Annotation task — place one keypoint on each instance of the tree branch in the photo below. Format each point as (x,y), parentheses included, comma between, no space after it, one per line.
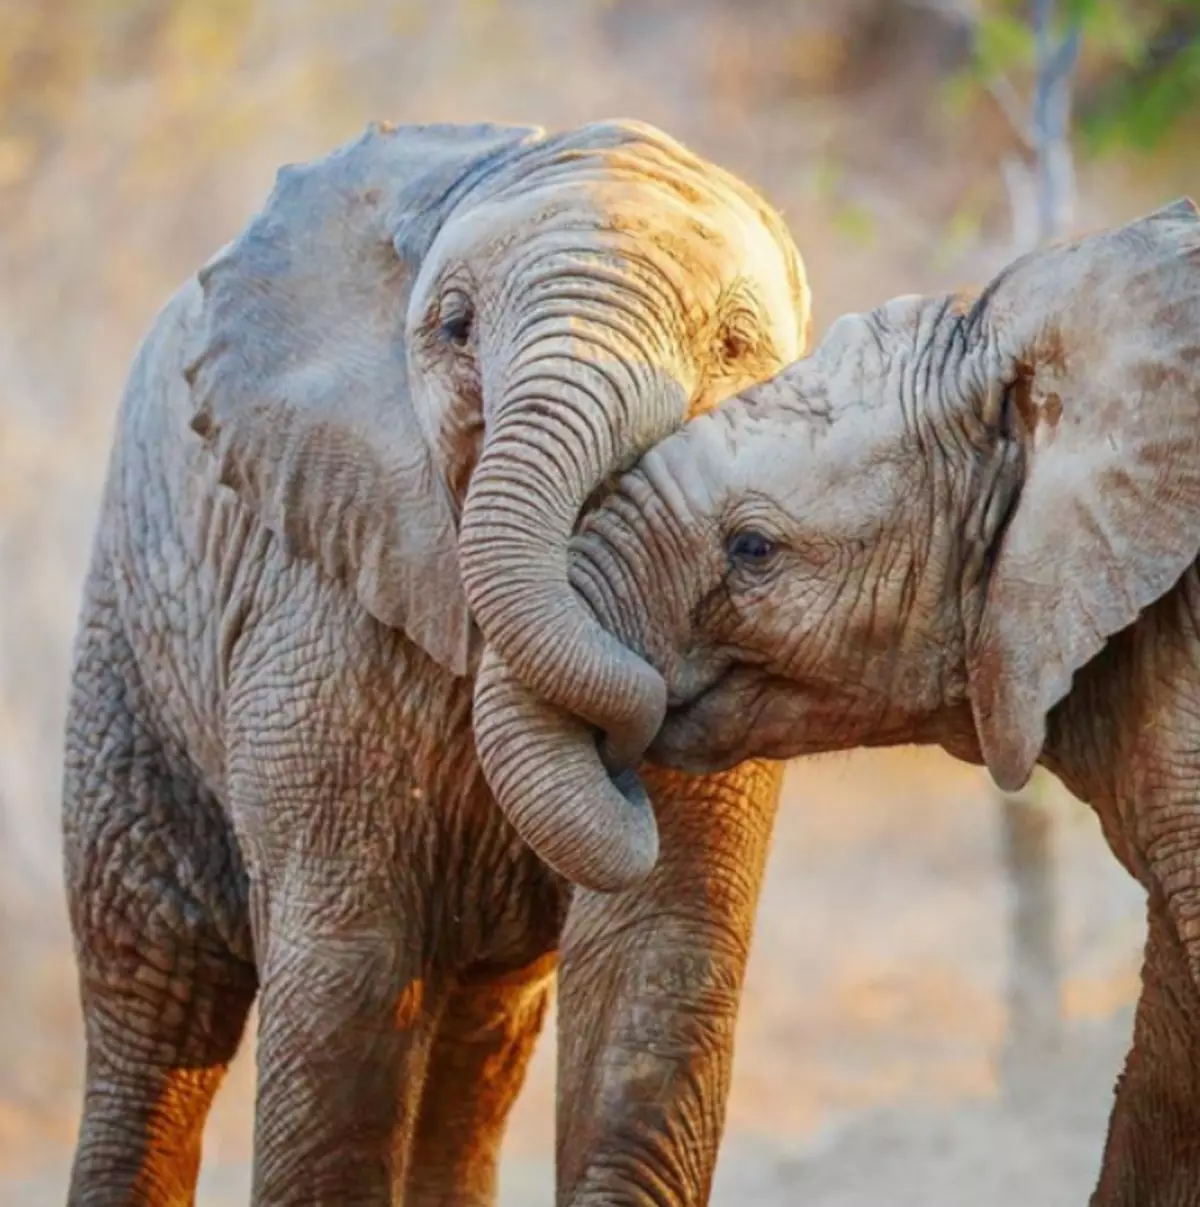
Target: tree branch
(1052,119)
(1000,89)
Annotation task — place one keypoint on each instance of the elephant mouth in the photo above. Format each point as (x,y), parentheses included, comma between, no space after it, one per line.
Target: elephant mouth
(750,712)
(707,730)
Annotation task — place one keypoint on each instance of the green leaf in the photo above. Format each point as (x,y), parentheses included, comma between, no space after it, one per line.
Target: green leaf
(1002,43)
(1142,111)
(1108,26)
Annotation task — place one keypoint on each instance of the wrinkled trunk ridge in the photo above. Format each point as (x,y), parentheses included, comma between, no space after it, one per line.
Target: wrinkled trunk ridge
(564,421)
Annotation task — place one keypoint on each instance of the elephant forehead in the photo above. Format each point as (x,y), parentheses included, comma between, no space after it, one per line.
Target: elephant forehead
(723,256)
(844,479)
(593,218)
(722,229)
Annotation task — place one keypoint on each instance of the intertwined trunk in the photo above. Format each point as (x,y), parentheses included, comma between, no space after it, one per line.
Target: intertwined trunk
(585,391)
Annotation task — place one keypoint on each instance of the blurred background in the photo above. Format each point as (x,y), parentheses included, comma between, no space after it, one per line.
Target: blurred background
(939,997)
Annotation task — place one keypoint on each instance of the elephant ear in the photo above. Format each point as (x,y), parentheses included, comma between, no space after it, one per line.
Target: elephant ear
(1100,340)
(299,378)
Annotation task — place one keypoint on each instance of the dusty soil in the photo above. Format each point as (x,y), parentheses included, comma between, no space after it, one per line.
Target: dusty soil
(874,1015)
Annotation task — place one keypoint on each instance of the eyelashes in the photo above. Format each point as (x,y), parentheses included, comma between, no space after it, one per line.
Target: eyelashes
(751,548)
(456,318)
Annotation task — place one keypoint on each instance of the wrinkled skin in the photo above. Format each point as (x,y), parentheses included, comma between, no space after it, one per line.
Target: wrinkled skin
(972,522)
(368,424)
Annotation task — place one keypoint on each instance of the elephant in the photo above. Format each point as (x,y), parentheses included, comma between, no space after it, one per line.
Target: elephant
(969,520)
(349,457)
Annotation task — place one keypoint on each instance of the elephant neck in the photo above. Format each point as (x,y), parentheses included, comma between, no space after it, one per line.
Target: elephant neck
(1123,731)
(1080,748)
(1102,732)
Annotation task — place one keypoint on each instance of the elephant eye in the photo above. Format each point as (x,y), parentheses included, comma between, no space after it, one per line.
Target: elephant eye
(735,345)
(750,548)
(457,317)
(737,340)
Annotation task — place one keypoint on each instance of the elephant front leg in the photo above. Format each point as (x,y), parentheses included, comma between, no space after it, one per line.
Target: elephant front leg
(162,1025)
(161,943)
(347,1018)
(484,1041)
(1152,1154)
(649,987)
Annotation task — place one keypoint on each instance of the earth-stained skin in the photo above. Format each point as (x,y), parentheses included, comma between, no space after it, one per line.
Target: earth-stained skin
(349,457)
(971,521)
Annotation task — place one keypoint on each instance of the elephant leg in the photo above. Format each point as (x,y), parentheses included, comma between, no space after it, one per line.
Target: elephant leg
(650,982)
(157,907)
(347,1016)
(482,1050)
(161,1028)
(1152,1153)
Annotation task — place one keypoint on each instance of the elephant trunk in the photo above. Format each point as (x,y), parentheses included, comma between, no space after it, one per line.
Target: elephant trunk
(543,766)
(572,409)
(565,421)
(584,813)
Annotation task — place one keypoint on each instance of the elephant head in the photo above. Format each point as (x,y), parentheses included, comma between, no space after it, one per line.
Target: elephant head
(923,530)
(425,354)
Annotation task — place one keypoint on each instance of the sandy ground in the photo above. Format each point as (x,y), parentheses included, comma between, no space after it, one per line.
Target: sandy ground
(869,1036)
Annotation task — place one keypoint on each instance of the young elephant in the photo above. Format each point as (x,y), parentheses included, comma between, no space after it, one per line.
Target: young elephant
(972,522)
(368,423)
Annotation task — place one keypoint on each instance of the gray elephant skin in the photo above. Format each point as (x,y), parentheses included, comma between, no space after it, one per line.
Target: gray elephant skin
(348,461)
(972,521)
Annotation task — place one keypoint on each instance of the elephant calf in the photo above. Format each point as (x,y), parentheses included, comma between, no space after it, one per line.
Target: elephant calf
(975,522)
(367,426)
